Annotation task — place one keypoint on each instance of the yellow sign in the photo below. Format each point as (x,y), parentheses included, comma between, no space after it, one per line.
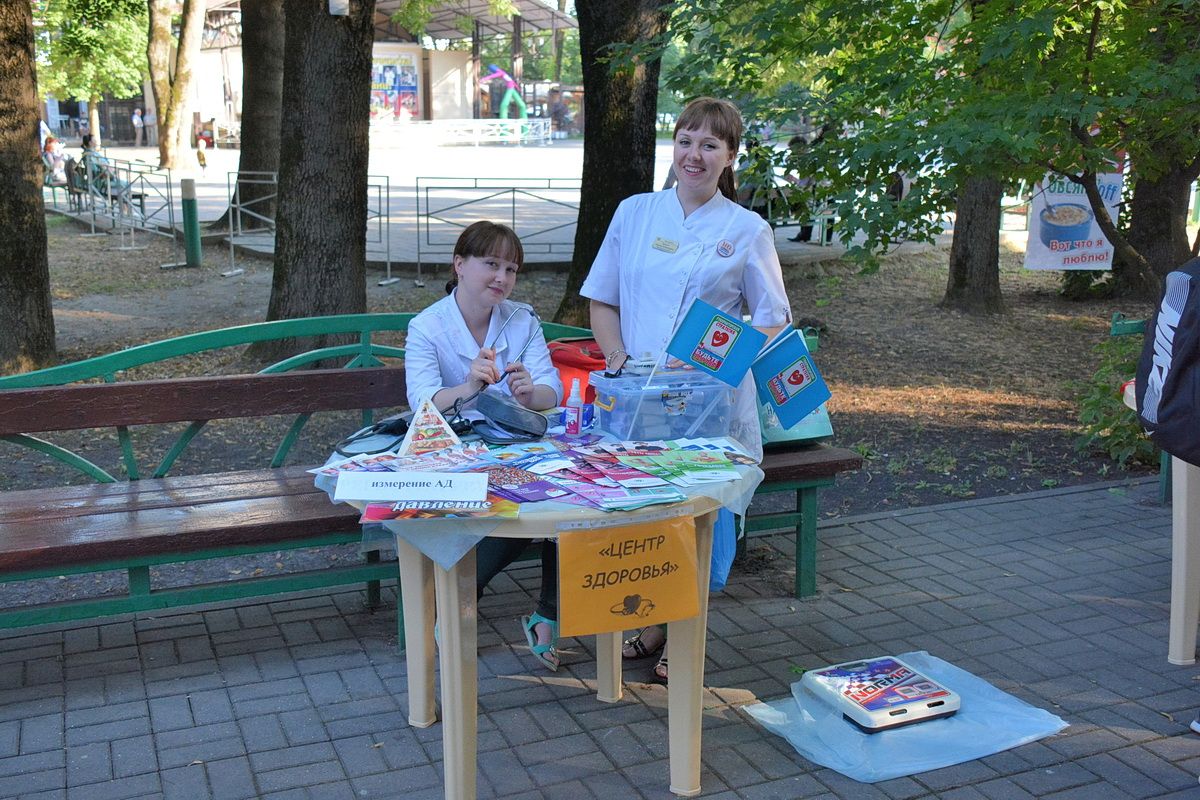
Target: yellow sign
(617,578)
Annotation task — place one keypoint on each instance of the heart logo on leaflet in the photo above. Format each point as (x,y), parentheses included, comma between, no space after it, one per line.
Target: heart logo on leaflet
(719,338)
(796,378)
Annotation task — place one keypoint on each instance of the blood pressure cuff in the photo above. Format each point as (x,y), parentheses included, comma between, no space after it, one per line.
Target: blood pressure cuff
(502,410)
(1168,372)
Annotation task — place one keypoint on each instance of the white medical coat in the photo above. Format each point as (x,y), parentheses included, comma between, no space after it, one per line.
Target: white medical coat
(440,349)
(722,254)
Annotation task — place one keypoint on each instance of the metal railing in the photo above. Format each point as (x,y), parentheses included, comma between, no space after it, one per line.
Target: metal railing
(259,210)
(543,212)
(535,130)
(130,196)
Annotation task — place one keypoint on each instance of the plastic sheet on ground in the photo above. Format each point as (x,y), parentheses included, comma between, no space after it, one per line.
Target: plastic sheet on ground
(988,722)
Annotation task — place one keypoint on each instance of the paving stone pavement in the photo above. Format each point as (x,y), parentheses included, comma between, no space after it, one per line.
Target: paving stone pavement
(1058,597)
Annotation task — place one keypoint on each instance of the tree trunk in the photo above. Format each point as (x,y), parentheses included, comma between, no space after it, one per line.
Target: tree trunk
(619,127)
(560,38)
(172,82)
(26,318)
(94,121)
(262,105)
(974,282)
(320,233)
(1157,227)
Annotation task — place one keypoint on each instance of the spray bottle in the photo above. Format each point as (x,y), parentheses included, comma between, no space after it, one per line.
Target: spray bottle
(573,411)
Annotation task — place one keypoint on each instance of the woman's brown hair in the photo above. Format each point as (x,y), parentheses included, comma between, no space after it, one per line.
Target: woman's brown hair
(482,239)
(724,120)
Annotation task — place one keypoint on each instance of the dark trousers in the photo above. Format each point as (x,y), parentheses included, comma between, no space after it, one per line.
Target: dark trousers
(495,553)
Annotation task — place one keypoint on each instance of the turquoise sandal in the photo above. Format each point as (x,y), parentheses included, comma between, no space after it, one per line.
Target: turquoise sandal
(545,653)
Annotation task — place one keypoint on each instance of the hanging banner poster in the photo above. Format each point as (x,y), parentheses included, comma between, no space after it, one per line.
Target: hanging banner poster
(617,578)
(394,87)
(1063,232)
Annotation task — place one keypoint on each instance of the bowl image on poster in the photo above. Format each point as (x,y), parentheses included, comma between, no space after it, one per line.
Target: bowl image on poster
(1064,224)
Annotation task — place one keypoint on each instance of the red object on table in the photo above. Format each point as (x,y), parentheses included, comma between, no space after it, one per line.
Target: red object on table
(577,358)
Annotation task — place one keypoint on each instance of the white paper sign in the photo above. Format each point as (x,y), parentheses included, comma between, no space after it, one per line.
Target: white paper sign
(393,486)
(1063,232)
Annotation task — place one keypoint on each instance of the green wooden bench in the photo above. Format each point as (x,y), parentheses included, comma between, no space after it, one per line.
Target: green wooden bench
(130,518)
(133,519)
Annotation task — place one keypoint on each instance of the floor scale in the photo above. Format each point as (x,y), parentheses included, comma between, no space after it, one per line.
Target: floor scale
(877,694)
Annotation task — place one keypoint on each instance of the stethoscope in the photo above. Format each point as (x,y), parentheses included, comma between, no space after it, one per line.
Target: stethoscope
(397,427)
(455,411)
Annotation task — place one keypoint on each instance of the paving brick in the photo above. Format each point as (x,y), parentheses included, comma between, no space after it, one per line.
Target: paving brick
(409,782)
(504,773)
(185,783)
(88,763)
(292,756)
(33,780)
(1052,779)
(1154,767)
(363,682)
(10,738)
(212,705)
(133,756)
(118,789)
(262,733)
(304,727)
(107,713)
(231,778)
(782,789)
(107,731)
(1121,776)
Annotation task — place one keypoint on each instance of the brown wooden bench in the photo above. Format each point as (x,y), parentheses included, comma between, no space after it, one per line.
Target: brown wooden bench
(803,469)
(133,525)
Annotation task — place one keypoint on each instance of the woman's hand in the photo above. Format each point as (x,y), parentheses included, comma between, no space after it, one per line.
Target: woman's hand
(483,367)
(520,383)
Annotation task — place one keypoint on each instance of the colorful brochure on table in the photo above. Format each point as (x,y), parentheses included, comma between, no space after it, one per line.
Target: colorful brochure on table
(493,506)
(427,432)
(787,379)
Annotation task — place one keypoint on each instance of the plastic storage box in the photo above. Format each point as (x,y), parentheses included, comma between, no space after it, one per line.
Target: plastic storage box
(674,404)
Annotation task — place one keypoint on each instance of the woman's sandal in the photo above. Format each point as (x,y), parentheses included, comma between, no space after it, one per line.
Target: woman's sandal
(659,673)
(634,648)
(545,653)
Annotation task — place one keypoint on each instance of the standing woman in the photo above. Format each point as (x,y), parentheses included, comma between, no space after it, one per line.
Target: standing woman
(470,340)
(692,241)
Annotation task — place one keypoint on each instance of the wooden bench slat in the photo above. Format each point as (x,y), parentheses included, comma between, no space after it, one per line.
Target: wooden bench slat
(33,505)
(96,405)
(182,529)
(818,461)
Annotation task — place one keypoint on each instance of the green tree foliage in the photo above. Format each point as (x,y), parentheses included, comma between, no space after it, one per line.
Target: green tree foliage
(945,88)
(89,48)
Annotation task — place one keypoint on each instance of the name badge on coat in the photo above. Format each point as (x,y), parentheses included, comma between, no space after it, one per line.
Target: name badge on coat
(665,245)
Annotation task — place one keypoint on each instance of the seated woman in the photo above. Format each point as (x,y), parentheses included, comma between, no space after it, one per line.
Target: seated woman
(56,162)
(461,345)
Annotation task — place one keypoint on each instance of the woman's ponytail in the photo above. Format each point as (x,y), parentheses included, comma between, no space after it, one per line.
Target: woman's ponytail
(727,184)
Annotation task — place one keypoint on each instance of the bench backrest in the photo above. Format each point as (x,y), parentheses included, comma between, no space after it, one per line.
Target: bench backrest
(375,342)
(106,405)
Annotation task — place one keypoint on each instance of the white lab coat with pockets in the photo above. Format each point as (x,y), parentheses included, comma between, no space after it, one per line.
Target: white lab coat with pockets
(440,349)
(653,263)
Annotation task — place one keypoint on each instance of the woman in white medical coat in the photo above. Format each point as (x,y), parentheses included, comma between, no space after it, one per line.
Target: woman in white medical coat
(472,339)
(665,249)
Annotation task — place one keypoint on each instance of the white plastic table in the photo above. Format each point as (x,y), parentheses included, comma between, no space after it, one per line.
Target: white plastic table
(1185,555)
(425,585)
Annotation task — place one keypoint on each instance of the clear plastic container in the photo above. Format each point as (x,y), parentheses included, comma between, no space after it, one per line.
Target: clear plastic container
(676,403)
